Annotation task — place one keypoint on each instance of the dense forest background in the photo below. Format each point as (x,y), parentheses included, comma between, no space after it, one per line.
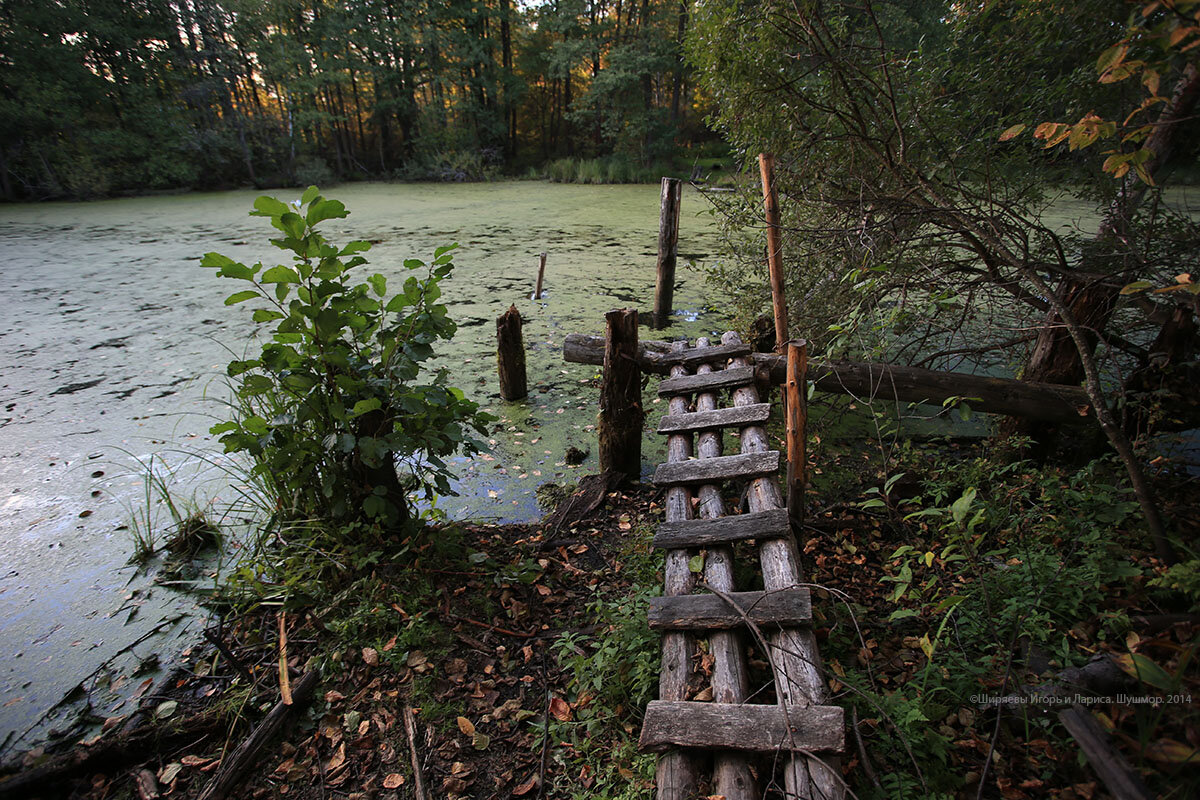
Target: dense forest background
(110,96)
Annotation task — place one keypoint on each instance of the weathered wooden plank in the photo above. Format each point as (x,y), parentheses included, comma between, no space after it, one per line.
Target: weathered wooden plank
(1043,401)
(678,772)
(730,677)
(795,657)
(713,381)
(771,524)
(728,726)
(710,612)
(720,418)
(714,470)
(705,355)
(1121,780)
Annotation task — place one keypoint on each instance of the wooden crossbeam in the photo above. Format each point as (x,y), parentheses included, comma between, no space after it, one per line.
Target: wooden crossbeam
(729,726)
(771,524)
(703,355)
(710,612)
(715,470)
(710,382)
(735,417)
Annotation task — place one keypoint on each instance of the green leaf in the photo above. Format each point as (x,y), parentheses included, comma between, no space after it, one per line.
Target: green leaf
(293,225)
(962,505)
(1012,132)
(413,263)
(1111,57)
(309,195)
(1151,673)
(378,283)
(696,563)
(236,368)
(216,260)
(397,303)
(280,274)
(240,297)
(266,315)
(265,206)
(239,271)
(1135,287)
(438,253)
(356,246)
(325,209)
(364,406)
(255,424)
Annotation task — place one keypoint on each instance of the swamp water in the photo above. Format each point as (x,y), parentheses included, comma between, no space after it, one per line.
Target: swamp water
(114,341)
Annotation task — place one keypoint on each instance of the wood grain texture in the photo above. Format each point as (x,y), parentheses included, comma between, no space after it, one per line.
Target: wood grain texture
(510,355)
(668,238)
(711,612)
(711,382)
(621,416)
(771,524)
(1110,766)
(719,418)
(677,773)
(732,777)
(715,470)
(718,354)
(1042,401)
(729,726)
(795,657)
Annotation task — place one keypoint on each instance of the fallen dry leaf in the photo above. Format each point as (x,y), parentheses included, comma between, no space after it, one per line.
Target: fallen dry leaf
(466,726)
(560,710)
(370,656)
(393,781)
(526,787)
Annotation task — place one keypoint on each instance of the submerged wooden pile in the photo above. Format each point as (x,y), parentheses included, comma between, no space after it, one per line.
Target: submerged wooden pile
(798,724)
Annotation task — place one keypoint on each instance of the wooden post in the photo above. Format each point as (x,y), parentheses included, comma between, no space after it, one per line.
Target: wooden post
(537,292)
(510,355)
(621,397)
(797,418)
(766,165)
(668,240)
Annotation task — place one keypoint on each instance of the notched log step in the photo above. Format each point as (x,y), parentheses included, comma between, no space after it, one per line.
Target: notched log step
(709,382)
(702,355)
(710,612)
(729,726)
(771,524)
(715,470)
(735,417)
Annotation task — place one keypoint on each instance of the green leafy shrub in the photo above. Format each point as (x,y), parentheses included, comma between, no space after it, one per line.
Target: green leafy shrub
(341,391)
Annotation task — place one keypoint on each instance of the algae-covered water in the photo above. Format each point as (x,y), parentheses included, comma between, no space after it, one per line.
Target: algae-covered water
(114,338)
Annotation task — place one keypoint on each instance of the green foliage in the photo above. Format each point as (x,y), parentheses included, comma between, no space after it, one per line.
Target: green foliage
(997,557)
(335,397)
(614,673)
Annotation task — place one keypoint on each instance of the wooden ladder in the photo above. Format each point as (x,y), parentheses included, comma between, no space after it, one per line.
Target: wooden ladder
(799,724)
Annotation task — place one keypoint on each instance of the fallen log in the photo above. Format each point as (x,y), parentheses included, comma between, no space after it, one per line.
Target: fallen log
(235,766)
(1107,761)
(1007,396)
(54,778)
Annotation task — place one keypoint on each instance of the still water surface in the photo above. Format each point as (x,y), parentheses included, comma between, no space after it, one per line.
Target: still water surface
(113,340)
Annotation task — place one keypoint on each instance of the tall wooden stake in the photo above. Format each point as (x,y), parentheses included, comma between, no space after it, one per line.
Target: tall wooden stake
(537,292)
(621,396)
(766,166)
(668,240)
(796,410)
(510,355)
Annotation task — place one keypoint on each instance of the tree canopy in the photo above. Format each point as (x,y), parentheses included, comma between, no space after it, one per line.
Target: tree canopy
(101,96)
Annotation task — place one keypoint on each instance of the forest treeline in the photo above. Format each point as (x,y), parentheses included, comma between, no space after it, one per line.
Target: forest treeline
(109,96)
